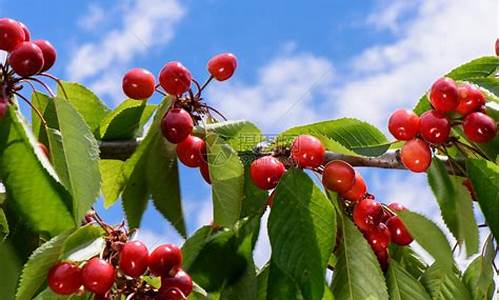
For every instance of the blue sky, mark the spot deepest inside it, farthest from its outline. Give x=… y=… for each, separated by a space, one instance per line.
x=299 y=61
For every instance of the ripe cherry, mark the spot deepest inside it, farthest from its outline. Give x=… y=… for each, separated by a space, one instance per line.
x=496 y=47
x=175 y=78
x=416 y=155
x=11 y=34
x=27 y=35
x=181 y=281
x=444 y=95
x=479 y=127
x=98 y=275
x=26 y=59
x=191 y=151
x=44 y=149
x=358 y=189
x=383 y=259
x=64 y=278
x=379 y=237
x=307 y=151
x=434 y=127
x=338 y=176
x=49 y=53
x=404 y=124
x=177 y=125
x=266 y=172
x=165 y=259
x=134 y=258
x=138 y=83
x=470 y=99
x=396 y=207
x=399 y=233
x=205 y=172
x=367 y=214
x=171 y=294
x=222 y=66
x=4 y=106
x=468 y=185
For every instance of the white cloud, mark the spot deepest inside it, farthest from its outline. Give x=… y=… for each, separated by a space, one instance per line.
x=143 y=24
x=92 y=18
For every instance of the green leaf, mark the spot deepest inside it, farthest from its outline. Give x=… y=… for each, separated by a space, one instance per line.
x=254 y=199
x=92 y=109
x=444 y=284
x=40 y=101
x=241 y=135
x=79 y=245
x=429 y=236
x=10 y=268
x=357 y=273
x=112 y=180
x=455 y=204
x=302 y=254
x=135 y=195
x=402 y=286
x=75 y=156
x=408 y=259
x=487 y=83
x=273 y=283
x=479 y=278
x=4 y=226
x=126 y=120
x=484 y=177
x=47 y=294
x=354 y=135
x=40 y=199
x=227 y=175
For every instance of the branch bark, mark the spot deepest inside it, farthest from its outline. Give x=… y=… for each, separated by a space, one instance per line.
x=122 y=150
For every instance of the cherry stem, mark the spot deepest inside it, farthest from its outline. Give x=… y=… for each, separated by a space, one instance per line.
x=47 y=88
x=197 y=87
x=34 y=109
x=58 y=81
x=215 y=111
x=205 y=84
x=472 y=148
x=158 y=90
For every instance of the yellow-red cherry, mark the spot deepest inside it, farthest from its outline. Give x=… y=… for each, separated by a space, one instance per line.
x=138 y=83
x=175 y=78
x=399 y=233
x=358 y=190
x=404 y=124
x=416 y=155
x=191 y=151
x=379 y=237
x=307 y=151
x=444 y=95
x=434 y=127
x=479 y=127
x=338 y=176
x=176 y=125
x=222 y=66
x=471 y=99
x=367 y=214
x=266 y=172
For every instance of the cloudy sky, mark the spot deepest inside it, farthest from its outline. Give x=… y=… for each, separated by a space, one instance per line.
x=299 y=61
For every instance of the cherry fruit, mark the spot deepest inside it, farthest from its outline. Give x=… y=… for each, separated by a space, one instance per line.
x=444 y=95
x=177 y=125
x=222 y=66
x=27 y=35
x=49 y=53
x=98 y=275
x=396 y=207
x=379 y=237
x=175 y=78
x=138 y=83
x=367 y=214
x=416 y=155
x=434 y=127
x=134 y=258
x=65 y=278
x=470 y=99
x=338 y=176
x=191 y=151
x=358 y=189
x=181 y=280
x=26 y=59
x=165 y=259
x=479 y=127
x=11 y=34
x=171 y=294
x=404 y=124
x=307 y=151
x=266 y=172
x=205 y=172
x=399 y=233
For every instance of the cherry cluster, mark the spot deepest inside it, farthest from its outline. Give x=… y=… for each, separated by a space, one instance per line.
x=118 y=270
x=188 y=107
x=454 y=105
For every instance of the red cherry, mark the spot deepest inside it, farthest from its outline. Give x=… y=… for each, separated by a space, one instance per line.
x=11 y=34
x=468 y=184
x=357 y=191
x=338 y=176
x=64 y=278
x=26 y=59
x=396 y=207
x=479 y=127
x=134 y=258
x=205 y=173
x=266 y=172
x=383 y=259
x=4 y=106
x=44 y=149
x=165 y=259
x=404 y=124
x=191 y=150
x=27 y=35
x=177 y=125
x=416 y=155
x=181 y=281
x=222 y=66
x=171 y=294
x=98 y=275
x=307 y=151
x=496 y=47
x=49 y=53
x=138 y=84
x=367 y=214
x=444 y=95
x=399 y=233
x=470 y=99
x=175 y=78
x=386 y=216
x=379 y=237
x=434 y=127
